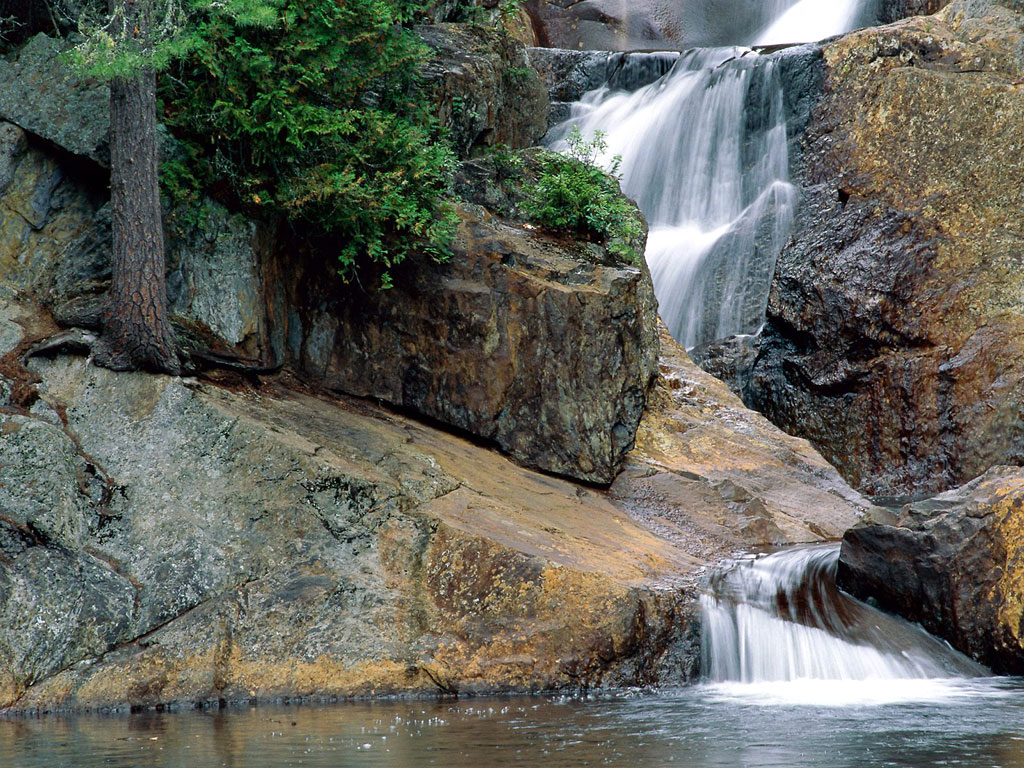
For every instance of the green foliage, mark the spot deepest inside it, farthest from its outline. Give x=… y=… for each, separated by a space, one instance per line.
x=472 y=12
x=314 y=113
x=574 y=194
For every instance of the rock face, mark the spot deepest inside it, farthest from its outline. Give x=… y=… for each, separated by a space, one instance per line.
x=533 y=344
x=894 y=324
x=716 y=477
x=193 y=544
x=484 y=91
x=955 y=563
x=42 y=95
x=171 y=541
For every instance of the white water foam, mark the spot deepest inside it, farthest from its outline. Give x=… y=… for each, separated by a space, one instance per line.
x=810 y=20
x=775 y=629
x=704 y=154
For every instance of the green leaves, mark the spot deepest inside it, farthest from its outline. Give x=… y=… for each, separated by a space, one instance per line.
x=316 y=116
x=575 y=195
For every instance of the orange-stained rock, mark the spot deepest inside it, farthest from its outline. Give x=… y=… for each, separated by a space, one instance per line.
x=237 y=544
x=896 y=318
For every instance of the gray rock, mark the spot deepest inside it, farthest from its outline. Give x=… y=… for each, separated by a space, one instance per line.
x=953 y=563
x=483 y=90
x=215 y=278
x=43 y=95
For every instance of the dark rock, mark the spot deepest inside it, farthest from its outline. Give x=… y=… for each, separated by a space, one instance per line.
x=42 y=95
x=731 y=360
x=534 y=344
x=484 y=92
x=954 y=564
x=893 y=339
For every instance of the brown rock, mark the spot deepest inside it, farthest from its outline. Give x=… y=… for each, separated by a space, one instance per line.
x=520 y=339
x=894 y=336
x=955 y=564
x=716 y=477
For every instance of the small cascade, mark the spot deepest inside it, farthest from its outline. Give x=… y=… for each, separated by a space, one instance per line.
x=781 y=618
x=704 y=154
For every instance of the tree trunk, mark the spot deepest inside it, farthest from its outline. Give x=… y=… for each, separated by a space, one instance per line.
x=136 y=331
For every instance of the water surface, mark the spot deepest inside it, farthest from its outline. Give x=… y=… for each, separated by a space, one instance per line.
x=976 y=723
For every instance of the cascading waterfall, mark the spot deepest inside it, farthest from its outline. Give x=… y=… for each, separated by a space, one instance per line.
x=781 y=618
x=705 y=155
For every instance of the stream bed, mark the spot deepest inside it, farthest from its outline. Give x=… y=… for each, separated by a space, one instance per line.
x=975 y=722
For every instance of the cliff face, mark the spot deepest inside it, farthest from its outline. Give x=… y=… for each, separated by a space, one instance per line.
x=895 y=317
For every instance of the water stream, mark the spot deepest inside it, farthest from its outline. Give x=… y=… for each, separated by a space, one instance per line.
x=704 y=152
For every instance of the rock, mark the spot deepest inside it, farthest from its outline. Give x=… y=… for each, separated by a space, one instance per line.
x=43 y=95
x=54 y=242
x=484 y=92
x=954 y=564
x=895 y=319
x=542 y=347
x=214 y=277
x=254 y=545
x=715 y=477
x=730 y=360
x=221 y=545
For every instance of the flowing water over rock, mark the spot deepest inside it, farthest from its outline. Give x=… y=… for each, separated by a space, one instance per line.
x=704 y=153
x=779 y=625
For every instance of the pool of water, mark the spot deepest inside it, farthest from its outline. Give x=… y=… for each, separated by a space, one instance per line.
x=975 y=723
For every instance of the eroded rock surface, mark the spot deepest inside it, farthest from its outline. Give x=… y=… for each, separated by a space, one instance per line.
x=172 y=541
x=955 y=564
x=534 y=344
x=895 y=319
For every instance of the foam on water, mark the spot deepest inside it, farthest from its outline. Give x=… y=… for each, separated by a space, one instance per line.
x=776 y=629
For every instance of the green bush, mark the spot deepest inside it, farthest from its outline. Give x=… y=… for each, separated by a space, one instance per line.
x=316 y=115
x=574 y=194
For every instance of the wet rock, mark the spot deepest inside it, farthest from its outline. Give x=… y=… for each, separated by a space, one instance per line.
x=543 y=347
x=267 y=544
x=893 y=339
x=484 y=91
x=954 y=564
x=715 y=477
x=237 y=545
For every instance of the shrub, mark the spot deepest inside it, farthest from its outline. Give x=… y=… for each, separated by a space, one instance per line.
x=315 y=115
x=574 y=194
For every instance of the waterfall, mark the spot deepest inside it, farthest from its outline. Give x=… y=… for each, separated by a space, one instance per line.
x=781 y=618
x=705 y=155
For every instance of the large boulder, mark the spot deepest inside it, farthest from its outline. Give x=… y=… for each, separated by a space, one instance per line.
x=177 y=542
x=544 y=347
x=170 y=541
x=894 y=333
x=953 y=563
x=716 y=477
x=43 y=94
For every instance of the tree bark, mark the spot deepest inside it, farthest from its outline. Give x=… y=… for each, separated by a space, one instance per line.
x=136 y=330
